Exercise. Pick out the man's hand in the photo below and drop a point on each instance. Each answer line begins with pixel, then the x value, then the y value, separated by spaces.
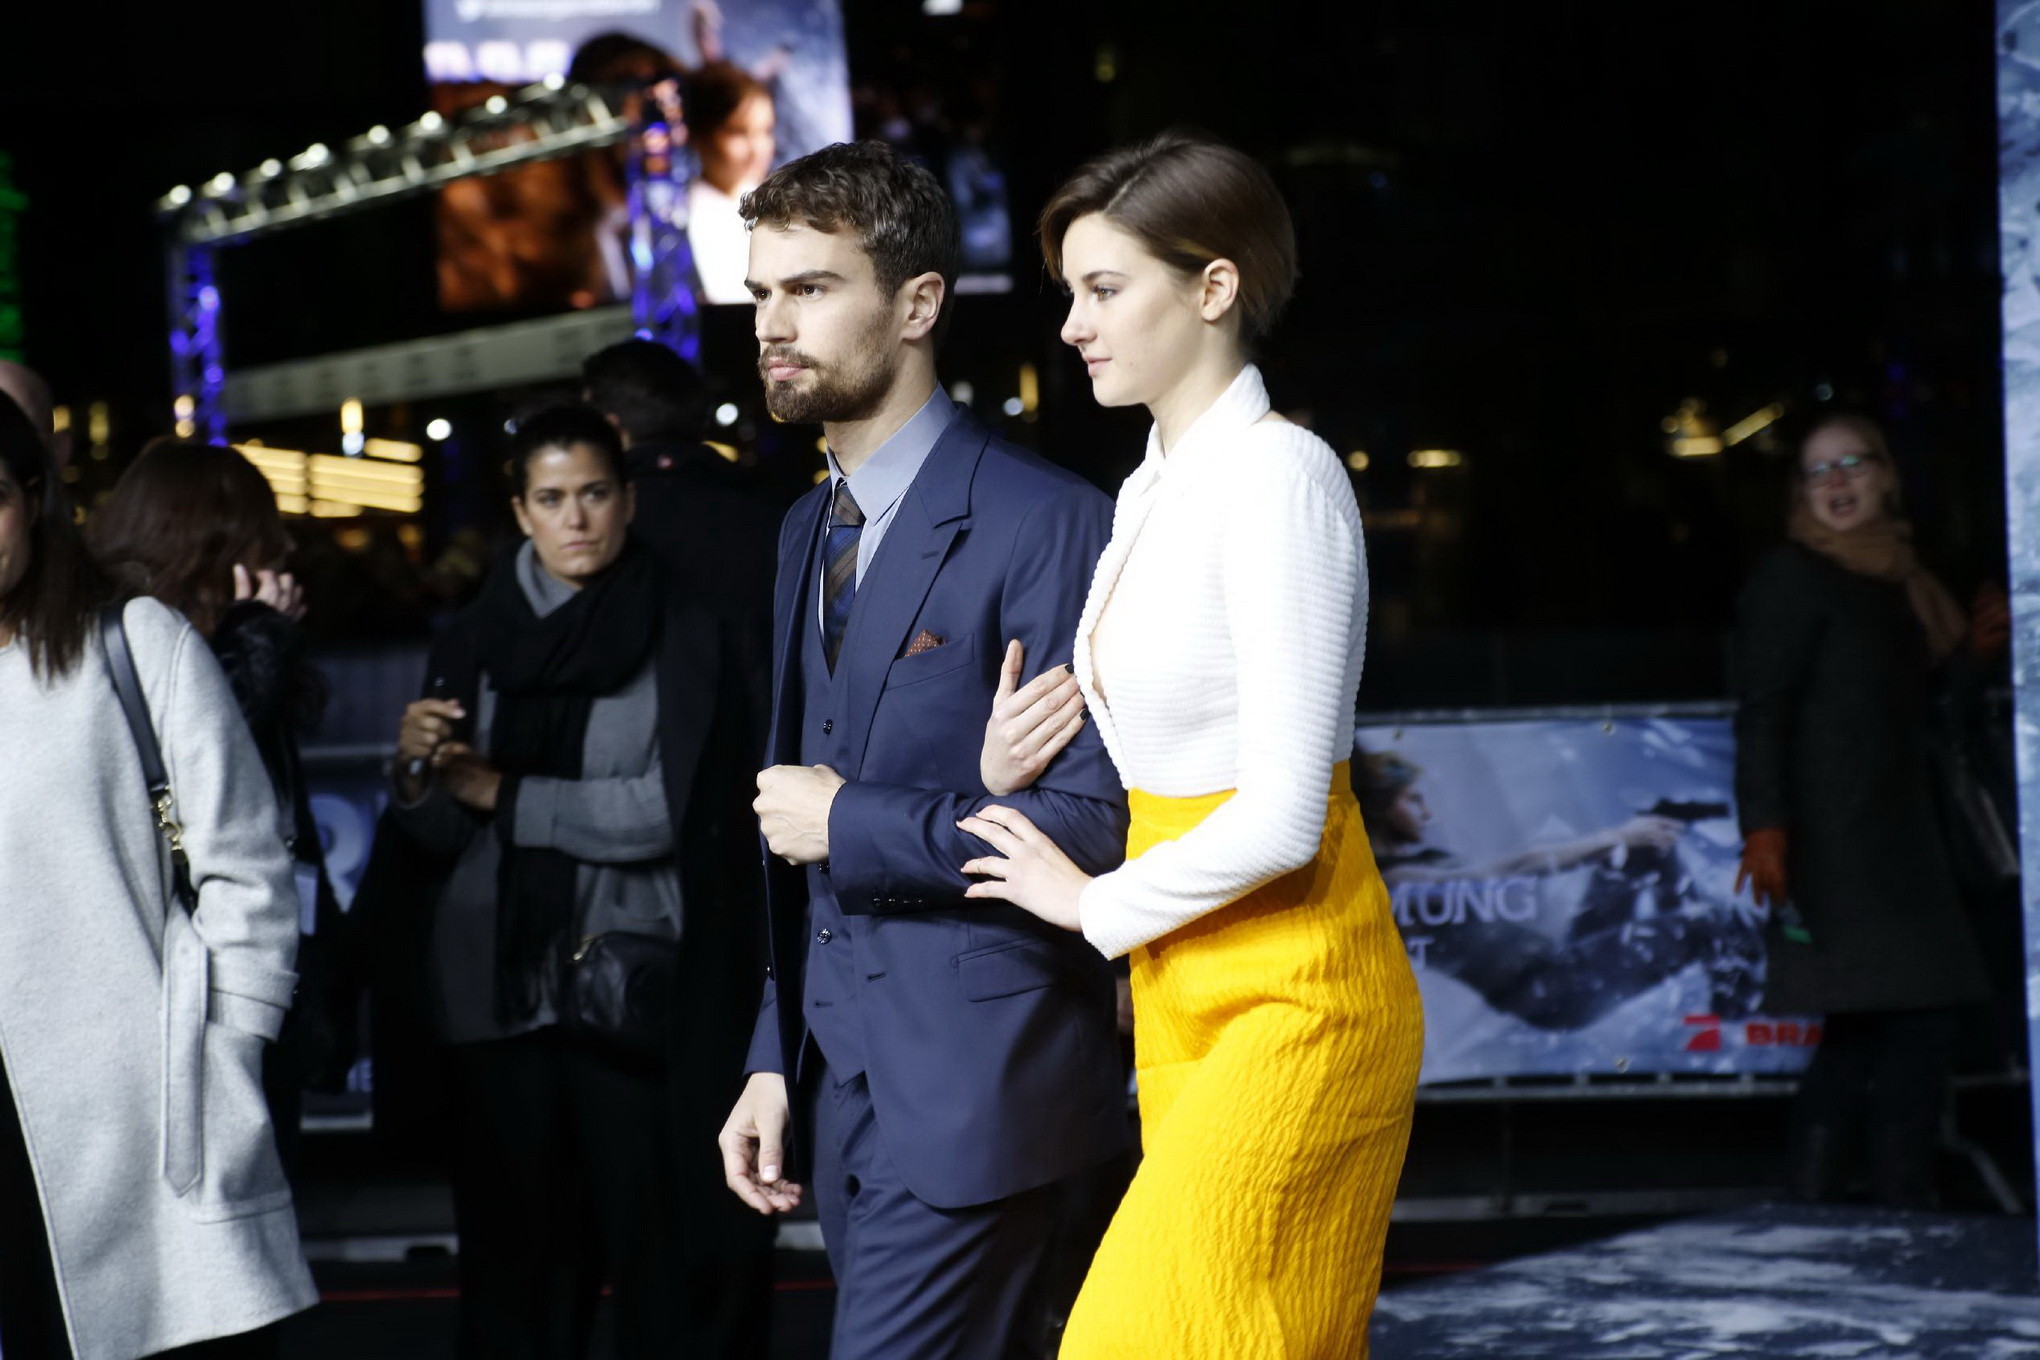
pixel 471 780
pixel 793 810
pixel 753 1144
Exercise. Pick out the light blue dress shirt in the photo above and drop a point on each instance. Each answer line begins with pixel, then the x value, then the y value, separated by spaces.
pixel 880 482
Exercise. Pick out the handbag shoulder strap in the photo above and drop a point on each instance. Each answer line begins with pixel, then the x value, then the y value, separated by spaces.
pixel 134 706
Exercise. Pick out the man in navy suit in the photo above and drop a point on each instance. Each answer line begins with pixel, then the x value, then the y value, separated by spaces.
pixel 933 1066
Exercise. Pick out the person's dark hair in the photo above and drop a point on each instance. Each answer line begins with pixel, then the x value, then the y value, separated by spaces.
pixel 713 92
pixel 562 427
pixel 904 221
pixel 1189 200
pixel 652 391
pixel 619 58
pixel 179 520
pixel 54 605
pixel 1382 777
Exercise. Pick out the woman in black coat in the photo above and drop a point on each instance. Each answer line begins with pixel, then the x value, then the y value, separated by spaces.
pixel 1842 640
pixel 575 786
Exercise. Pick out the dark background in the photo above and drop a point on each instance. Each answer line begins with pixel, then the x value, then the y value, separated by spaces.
pixel 1529 233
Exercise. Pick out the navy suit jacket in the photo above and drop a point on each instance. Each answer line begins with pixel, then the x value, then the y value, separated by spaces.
pixel 991 1043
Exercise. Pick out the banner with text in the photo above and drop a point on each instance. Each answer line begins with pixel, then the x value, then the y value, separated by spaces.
pixel 1566 892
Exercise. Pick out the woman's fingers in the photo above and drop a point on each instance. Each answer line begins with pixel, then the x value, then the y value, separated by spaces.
pixel 989 867
pixel 991 833
pixel 1051 729
pixel 1044 694
pixel 1014 822
pixel 1026 705
pixel 1009 673
pixel 1062 737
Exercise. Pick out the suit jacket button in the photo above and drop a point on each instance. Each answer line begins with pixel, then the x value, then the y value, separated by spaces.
pixel 824 936
pixel 828 726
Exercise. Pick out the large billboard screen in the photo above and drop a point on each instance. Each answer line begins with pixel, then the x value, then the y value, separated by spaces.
pixel 761 82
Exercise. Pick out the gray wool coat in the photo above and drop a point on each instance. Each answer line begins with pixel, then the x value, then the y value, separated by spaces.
pixel 133 1033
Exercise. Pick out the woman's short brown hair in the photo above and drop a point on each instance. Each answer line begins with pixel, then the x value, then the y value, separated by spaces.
pixel 1190 201
pixel 179 520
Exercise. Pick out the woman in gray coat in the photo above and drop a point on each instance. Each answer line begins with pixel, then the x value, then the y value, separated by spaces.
pixel 1842 639
pixel 142 1205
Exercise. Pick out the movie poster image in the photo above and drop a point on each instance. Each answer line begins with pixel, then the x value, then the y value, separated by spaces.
pixel 760 82
pixel 1566 890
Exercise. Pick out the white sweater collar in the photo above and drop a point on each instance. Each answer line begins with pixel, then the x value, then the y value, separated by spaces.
pixel 1238 407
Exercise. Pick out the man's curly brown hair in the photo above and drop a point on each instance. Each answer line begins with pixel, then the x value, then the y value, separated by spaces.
pixel 904 221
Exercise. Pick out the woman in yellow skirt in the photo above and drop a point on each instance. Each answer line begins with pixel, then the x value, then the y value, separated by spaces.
pixel 1277 1026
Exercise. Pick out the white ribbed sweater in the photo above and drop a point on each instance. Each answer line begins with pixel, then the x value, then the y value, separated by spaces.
pixel 1237 585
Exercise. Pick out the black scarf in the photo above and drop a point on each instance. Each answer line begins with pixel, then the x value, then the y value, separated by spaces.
pixel 547 673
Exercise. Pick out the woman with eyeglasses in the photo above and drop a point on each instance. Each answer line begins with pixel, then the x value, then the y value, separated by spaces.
pixel 1843 639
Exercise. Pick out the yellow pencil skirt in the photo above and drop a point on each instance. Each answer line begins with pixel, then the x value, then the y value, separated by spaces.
pixel 1277 1042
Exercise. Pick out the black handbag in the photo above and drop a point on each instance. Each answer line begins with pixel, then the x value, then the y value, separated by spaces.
pixel 619 987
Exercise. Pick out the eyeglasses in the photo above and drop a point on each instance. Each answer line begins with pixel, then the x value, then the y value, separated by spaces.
pixel 1850 465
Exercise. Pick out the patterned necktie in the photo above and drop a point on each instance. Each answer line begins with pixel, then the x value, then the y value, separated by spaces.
pixel 839 569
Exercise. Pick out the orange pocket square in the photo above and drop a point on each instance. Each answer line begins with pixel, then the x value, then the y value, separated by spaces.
pixel 924 641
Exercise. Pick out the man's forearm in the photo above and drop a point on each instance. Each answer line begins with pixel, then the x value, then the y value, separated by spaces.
pixel 896 848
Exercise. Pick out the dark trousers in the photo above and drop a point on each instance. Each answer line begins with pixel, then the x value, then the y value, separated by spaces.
pixel 565 1180
pixel 913 1281
pixel 31 1312
pixel 1879 1078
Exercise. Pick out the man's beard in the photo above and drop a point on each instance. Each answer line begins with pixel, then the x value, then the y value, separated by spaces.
pixel 833 393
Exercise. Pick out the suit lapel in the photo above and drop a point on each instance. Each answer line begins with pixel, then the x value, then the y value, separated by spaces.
pixel 935 510
pixel 791 610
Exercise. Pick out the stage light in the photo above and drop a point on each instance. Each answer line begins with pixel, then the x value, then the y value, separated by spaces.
pixel 555 81
pixel 352 442
pixel 178 196
pixel 220 183
pixel 1030 388
pixel 1358 460
pixel 1696 446
pixel 439 430
pixel 350 415
pixel 726 414
pixel 1013 406
pixel 431 122
pixel 378 135
pixel 496 103
pixel 1433 460
pixel 393 450
pixel 962 393
pixel 1754 423
pixel 941 6
pixel 270 168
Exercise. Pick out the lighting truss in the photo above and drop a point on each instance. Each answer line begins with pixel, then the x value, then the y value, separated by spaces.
pixel 540 122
